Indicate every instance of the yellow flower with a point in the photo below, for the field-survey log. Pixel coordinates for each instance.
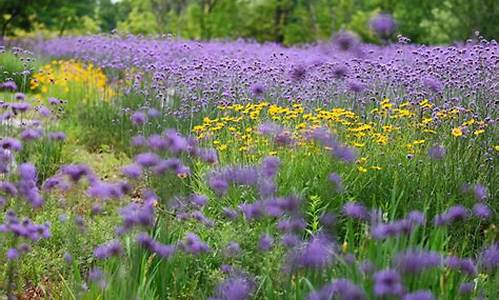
(345, 247)
(198, 128)
(222, 147)
(362, 170)
(469, 122)
(425, 104)
(478, 132)
(456, 132)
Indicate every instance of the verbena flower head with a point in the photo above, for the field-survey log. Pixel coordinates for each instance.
(339, 289)
(355, 210)
(416, 261)
(138, 118)
(466, 288)
(317, 253)
(419, 295)
(488, 259)
(464, 265)
(193, 245)
(234, 288)
(298, 72)
(345, 40)
(480, 192)
(337, 181)
(383, 25)
(387, 283)
(270, 166)
(258, 89)
(437, 152)
(113, 248)
(453, 214)
(481, 211)
(266, 242)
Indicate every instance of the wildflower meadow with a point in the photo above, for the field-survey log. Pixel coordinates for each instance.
(156, 167)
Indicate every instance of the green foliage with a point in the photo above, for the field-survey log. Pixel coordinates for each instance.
(284, 21)
(11, 68)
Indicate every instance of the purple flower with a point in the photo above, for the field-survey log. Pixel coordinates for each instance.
(20, 96)
(342, 289)
(433, 84)
(138, 140)
(465, 266)
(57, 136)
(345, 40)
(27, 171)
(355, 86)
(298, 72)
(162, 250)
(270, 166)
(481, 211)
(218, 184)
(258, 89)
(337, 181)
(252, 211)
(367, 267)
(232, 249)
(199, 200)
(208, 155)
(10, 144)
(113, 248)
(387, 283)
(9, 85)
(20, 107)
(8, 188)
(414, 262)
(290, 240)
(466, 288)
(488, 259)
(132, 171)
(13, 254)
(192, 244)
(437, 152)
(76, 172)
(175, 142)
(230, 213)
(67, 258)
(30, 134)
(147, 159)
(138, 118)
(355, 210)
(316, 254)
(266, 242)
(383, 25)
(235, 288)
(54, 101)
(419, 295)
(453, 214)
(269, 129)
(96, 275)
(480, 192)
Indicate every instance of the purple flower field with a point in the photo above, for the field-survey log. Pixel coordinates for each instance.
(142, 168)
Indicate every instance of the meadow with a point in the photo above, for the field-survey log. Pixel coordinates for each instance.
(141, 168)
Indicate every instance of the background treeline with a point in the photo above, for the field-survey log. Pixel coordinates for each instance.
(284, 21)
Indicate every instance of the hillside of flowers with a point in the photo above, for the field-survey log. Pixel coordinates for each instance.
(141, 168)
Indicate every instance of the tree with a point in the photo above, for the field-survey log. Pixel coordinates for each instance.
(16, 14)
(60, 15)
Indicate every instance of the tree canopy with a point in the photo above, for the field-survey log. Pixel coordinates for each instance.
(283, 21)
